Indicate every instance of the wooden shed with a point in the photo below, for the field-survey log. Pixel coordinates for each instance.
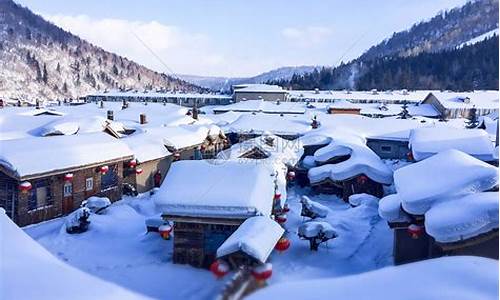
(208, 200)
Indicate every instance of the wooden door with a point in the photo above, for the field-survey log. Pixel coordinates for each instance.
(67, 205)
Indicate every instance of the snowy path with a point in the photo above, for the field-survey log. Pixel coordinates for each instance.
(117, 249)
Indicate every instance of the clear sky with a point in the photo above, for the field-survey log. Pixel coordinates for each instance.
(236, 37)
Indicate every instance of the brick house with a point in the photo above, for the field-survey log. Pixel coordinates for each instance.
(52, 181)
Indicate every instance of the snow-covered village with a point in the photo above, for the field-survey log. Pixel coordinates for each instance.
(372, 178)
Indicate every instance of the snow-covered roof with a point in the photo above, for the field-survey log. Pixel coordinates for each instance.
(389, 128)
(183, 136)
(256, 237)
(153, 94)
(356, 96)
(275, 124)
(453, 277)
(60, 153)
(425, 142)
(258, 88)
(216, 188)
(462, 217)
(446, 174)
(362, 160)
(146, 146)
(24, 260)
(276, 149)
(467, 100)
(263, 106)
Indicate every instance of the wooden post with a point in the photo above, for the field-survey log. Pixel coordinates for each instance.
(142, 119)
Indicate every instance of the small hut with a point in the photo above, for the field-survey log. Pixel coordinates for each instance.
(207, 202)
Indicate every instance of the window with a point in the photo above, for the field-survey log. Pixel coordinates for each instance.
(68, 189)
(89, 184)
(110, 179)
(40, 195)
(386, 149)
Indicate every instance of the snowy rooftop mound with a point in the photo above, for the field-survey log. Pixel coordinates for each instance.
(24, 260)
(183, 136)
(263, 106)
(458, 277)
(449, 173)
(315, 139)
(216, 188)
(69, 125)
(273, 147)
(273, 123)
(462, 217)
(146, 146)
(389, 208)
(60, 153)
(426, 142)
(256, 237)
(362, 161)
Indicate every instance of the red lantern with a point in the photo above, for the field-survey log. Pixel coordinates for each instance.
(202, 148)
(219, 268)
(177, 156)
(415, 231)
(132, 163)
(291, 175)
(25, 186)
(277, 196)
(138, 171)
(165, 231)
(283, 244)
(281, 219)
(104, 169)
(68, 177)
(285, 208)
(262, 272)
(362, 179)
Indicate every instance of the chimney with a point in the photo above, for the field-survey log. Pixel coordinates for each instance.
(142, 119)
(110, 115)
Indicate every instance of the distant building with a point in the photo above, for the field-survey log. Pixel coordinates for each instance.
(264, 92)
(459, 105)
(184, 99)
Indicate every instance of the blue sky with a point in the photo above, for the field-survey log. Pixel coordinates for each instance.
(236, 38)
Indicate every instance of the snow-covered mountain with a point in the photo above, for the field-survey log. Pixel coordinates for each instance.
(39, 60)
(224, 83)
(442, 32)
(447, 31)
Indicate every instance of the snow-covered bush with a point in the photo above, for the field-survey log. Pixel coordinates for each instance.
(312, 209)
(96, 205)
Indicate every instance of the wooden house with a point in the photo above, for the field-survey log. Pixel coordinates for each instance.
(432, 219)
(347, 168)
(151, 161)
(46, 177)
(207, 202)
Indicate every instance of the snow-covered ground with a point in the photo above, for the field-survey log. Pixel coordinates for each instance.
(117, 249)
